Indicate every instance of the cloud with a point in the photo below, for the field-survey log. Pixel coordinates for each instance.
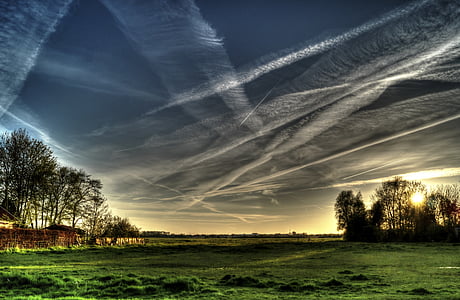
(404, 58)
(23, 31)
(274, 201)
(288, 57)
(97, 75)
(164, 34)
(22, 119)
(416, 176)
(335, 108)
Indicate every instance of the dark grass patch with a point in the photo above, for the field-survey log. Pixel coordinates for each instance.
(346, 272)
(182, 284)
(123, 282)
(146, 285)
(29, 281)
(359, 277)
(242, 281)
(104, 278)
(420, 291)
(296, 286)
(333, 283)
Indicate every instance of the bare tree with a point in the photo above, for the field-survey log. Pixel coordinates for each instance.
(446, 202)
(97, 217)
(394, 197)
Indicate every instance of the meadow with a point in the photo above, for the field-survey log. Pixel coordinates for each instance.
(251, 268)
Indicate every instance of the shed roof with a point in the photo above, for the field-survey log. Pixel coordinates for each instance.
(6, 215)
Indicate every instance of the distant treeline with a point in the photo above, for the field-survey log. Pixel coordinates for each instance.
(401, 210)
(39, 192)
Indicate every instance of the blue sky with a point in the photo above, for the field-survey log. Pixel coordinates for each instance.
(236, 116)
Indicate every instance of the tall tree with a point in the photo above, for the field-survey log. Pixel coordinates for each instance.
(446, 202)
(85, 189)
(97, 216)
(24, 164)
(394, 196)
(350, 212)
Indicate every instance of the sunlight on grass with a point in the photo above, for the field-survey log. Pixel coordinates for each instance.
(297, 256)
(235, 269)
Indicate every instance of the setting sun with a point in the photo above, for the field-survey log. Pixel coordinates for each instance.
(417, 198)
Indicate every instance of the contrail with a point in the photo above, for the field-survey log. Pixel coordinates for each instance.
(338, 155)
(350, 102)
(165, 32)
(219, 190)
(43, 135)
(244, 77)
(260, 102)
(155, 184)
(371, 170)
(24, 28)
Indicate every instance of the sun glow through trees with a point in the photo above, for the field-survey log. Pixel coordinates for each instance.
(417, 198)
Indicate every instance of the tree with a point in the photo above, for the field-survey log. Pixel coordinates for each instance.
(39, 192)
(97, 216)
(85, 188)
(394, 197)
(446, 200)
(25, 165)
(350, 212)
(121, 227)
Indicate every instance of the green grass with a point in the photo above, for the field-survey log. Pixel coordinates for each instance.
(253, 268)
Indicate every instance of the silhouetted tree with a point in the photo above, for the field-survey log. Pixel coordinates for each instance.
(445, 203)
(376, 214)
(446, 199)
(351, 215)
(394, 197)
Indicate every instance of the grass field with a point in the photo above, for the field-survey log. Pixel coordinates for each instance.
(253, 268)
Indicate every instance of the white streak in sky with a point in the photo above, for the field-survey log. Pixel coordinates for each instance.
(43, 135)
(295, 55)
(181, 47)
(258, 104)
(341, 154)
(325, 107)
(74, 71)
(393, 66)
(24, 28)
(372, 169)
(419, 175)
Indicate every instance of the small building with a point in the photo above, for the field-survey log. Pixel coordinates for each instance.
(7, 220)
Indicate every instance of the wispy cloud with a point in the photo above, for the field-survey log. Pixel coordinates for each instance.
(96, 75)
(23, 31)
(166, 33)
(276, 61)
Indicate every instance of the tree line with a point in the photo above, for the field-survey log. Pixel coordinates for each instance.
(40, 192)
(401, 210)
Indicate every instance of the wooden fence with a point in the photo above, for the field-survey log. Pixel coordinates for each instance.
(33, 238)
(109, 241)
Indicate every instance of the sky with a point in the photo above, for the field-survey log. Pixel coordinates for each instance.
(235, 116)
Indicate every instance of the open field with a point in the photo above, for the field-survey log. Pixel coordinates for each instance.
(253, 268)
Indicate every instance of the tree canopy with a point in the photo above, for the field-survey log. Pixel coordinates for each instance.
(401, 210)
(39, 192)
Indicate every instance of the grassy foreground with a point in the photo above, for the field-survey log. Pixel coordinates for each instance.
(235, 269)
